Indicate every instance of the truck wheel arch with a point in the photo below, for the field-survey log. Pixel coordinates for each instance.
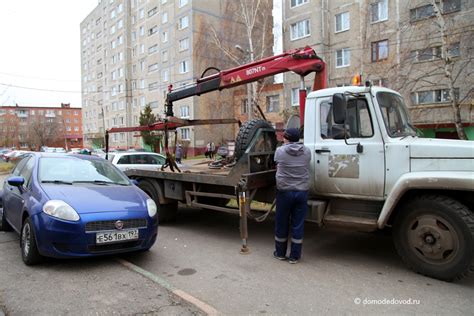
(410, 184)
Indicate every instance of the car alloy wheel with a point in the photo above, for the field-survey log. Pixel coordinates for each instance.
(25, 239)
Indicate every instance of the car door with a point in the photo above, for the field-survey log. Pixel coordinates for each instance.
(146, 161)
(14, 197)
(353, 167)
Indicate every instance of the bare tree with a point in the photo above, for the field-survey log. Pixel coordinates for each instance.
(45, 131)
(245, 36)
(435, 42)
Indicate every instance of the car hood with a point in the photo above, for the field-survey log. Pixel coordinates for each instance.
(441, 148)
(98, 198)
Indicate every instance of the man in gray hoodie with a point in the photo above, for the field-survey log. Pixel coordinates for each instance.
(292, 179)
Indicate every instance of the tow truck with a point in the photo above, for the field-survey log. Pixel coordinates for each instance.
(369, 169)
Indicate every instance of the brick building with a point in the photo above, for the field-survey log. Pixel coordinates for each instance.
(30, 128)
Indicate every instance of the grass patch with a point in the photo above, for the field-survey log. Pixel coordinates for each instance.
(6, 167)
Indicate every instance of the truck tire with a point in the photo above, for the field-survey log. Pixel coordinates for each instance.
(246, 133)
(166, 212)
(434, 236)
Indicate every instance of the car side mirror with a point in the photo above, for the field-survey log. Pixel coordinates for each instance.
(339, 105)
(135, 182)
(16, 181)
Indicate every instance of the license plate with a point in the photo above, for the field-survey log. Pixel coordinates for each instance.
(116, 236)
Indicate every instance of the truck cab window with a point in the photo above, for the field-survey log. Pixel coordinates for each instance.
(358, 121)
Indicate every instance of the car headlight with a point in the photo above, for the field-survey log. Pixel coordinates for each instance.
(151, 206)
(60, 209)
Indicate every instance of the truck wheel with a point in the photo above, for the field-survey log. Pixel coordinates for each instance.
(434, 236)
(246, 133)
(166, 212)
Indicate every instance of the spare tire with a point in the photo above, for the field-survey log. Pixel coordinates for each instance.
(246, 133)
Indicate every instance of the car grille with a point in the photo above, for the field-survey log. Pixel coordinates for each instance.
(110, 225)
(114, 247)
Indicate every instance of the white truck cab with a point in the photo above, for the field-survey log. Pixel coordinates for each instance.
(371, 171)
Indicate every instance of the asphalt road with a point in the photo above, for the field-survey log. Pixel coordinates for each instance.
(340, 272)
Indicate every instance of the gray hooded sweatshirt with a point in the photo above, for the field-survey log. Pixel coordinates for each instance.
(292, 167)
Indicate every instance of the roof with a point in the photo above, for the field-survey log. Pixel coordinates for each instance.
(354, 89)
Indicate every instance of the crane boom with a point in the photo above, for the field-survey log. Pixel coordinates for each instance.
(300, 61)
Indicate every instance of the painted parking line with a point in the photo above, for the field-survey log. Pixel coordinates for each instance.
(206, 308)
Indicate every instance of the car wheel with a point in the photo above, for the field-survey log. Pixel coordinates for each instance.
(29, 249)
(434, 235)
(4, 226)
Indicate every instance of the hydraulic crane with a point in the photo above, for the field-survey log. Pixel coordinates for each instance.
(300, 61)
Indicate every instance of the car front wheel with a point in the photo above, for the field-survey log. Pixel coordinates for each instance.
(29, 249)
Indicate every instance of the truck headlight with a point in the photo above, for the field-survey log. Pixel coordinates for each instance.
(151, 206)
(60, 209)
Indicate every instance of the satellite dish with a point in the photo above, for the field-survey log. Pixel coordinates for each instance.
(293, 121)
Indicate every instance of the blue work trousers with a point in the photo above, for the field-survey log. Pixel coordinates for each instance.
(291, 207)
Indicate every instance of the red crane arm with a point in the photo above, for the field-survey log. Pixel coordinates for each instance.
(301, 61)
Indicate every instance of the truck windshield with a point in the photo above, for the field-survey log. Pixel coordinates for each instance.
(395, 115)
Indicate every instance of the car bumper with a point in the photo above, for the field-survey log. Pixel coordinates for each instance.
(62, 239)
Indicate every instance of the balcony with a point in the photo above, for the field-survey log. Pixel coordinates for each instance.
(50, 115)
(19, 114)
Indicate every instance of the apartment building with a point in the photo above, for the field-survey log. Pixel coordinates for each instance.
(394, 43)
(132, 50)
(30, 128)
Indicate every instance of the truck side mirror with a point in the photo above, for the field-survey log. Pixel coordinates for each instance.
(339, 105)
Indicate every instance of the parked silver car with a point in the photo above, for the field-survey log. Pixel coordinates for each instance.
(137, 160)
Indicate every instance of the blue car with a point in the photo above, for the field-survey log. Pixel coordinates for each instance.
(75, 206)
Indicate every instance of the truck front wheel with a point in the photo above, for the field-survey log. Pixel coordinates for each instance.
(434, 235)
(166, 212)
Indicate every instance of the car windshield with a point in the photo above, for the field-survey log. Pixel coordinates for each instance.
(395, 115)
(73, 170)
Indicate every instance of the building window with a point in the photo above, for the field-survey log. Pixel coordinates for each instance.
(183, 67)
(184, 44)
(273, 103)
(153, 30)
(142, 102)
(184, 133)
(433, 96)
(451, 6)
(142, 30)
(182, 3)
(164, 56)
(245, 107)
(342, 22)
(183, 22)
(295, 97)
(184, 111)
(299, 30)
(164, 17)
(454, 50)
(153, 49)
(343, 57)
(379, 50)
(153, 67)
(379, 11)
(153, 86)
(141, 13)
(296, 3)
(152, 12)
(164, 37)
(154, 104)
(120, 24)
(422, 12)
(164, 75)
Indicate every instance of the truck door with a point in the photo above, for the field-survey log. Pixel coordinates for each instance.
(340, 170)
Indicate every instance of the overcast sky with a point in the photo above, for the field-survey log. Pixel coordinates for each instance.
(40, 50)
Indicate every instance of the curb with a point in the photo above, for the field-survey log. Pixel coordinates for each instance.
(204, 307)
